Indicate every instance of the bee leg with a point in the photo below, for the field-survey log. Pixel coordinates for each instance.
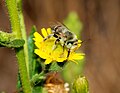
(55, 45)
(63, 47)
(68, 53)
(49, 36)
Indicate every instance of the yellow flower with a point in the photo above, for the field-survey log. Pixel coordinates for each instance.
(45, 49)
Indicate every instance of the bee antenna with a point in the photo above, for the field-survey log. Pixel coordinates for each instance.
(85, 41)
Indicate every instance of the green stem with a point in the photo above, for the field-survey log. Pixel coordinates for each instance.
(16, 28)
(14, 19)
(23, 30)
(6, 37)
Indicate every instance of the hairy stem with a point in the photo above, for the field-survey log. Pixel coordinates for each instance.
(16, 28)
(5, 37)
(23, 30)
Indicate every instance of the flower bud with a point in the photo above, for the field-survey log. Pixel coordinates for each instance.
(80, 85)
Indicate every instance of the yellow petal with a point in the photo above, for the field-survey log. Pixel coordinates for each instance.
(38, 37)
(49, 31)
(76, 56)
(44, 33)
(74, 61)
(81, 57)
(38, 45)
(79, 41)
(61, 59)
(79, 45)
(40, 53)
(48, 61)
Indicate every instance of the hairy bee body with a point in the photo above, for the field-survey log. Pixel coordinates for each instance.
(63, 36)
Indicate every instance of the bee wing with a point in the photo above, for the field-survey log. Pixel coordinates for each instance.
(55, 24)
(63, 25)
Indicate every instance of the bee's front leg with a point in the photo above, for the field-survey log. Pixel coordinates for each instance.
(63, 47)
(49, 36)
(69, 50)
(55, 45)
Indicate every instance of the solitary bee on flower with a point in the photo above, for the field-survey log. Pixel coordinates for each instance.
(65, 37)
(57, 44)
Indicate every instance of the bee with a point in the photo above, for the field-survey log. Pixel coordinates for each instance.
(63, 36)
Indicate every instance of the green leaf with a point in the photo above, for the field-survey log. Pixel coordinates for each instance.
(37, 78)
(32, 57)
(17, 43)
(55, 67)
(37, 90)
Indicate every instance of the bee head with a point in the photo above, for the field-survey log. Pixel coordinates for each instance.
(57, 29)
(72, 44)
